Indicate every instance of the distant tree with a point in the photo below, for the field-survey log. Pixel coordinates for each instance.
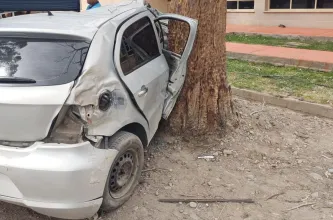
(9, 55)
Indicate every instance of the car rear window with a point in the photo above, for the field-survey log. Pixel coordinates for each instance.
(48, 62)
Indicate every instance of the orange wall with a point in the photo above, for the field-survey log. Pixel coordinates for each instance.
(158, 4)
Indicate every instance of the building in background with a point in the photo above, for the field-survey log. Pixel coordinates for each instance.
(291, 13)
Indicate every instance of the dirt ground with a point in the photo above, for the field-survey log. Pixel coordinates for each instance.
(277, 157)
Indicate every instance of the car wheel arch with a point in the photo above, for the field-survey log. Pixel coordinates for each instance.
(138, 130)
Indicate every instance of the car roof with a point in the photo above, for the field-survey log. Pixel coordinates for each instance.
(81, 24)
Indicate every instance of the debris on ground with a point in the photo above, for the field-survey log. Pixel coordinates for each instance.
(193, 204)
(153, 169)
(206, 157)
(316, 176)
(315, 195)
(227, 152)
(206, 200)
(275, 195)
(300, 206)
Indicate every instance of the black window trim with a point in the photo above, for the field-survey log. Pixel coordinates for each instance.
(293, 9)
(237, 6)
(147, 60)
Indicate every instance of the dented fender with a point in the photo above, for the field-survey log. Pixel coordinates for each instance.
(99, 76)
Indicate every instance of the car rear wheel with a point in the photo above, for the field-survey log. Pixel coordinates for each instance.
(125, 171)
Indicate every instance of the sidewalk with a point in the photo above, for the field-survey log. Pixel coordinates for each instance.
(313, 59)
(288, 31)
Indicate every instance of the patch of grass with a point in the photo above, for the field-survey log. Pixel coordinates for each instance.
(310, 85)
(280, 42)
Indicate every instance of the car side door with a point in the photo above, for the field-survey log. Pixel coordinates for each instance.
(142, 66)
(177, 60)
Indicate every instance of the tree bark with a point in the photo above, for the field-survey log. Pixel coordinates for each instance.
(205, 104)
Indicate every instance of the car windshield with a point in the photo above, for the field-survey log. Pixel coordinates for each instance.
(48, 62)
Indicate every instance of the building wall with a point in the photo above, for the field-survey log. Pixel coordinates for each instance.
(290, 19)
(158, 4)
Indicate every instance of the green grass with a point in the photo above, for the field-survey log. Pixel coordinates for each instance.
(280, 42)
(310, 85)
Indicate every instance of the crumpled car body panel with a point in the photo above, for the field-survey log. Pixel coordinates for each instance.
(98, 76)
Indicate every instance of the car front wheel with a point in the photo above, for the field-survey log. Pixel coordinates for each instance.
(125, 171)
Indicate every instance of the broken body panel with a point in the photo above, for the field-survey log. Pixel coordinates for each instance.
(99, 76)
(164, 94)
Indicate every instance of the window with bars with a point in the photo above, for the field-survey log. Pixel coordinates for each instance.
(301, 4)
(240, 4)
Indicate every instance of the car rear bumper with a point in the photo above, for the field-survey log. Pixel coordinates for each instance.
(58, 180)
(59, 210)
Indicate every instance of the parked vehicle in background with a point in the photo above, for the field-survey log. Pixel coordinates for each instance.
(82, 94)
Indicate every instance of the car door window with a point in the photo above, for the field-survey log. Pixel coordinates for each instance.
(176, 26)
(176, 50)
(139, 45)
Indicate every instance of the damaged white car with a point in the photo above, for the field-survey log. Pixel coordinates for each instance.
(82, 94)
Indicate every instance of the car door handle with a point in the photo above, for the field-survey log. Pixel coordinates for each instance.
(143, 91)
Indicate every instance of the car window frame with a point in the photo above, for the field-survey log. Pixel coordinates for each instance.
(46, 37)
(128, 23)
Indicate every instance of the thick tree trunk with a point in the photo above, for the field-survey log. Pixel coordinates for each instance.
(205, 103)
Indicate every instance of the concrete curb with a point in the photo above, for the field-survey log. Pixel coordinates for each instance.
(293, 104)
(288, 36)
(321, 66)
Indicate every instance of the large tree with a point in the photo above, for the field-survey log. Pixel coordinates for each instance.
(205, 104)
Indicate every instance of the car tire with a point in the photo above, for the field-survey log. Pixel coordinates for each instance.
(125, 171)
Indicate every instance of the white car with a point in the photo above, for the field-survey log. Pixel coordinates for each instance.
(81, 95)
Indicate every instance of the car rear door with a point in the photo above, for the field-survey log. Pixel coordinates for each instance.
(177, 60)
(142, 66)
